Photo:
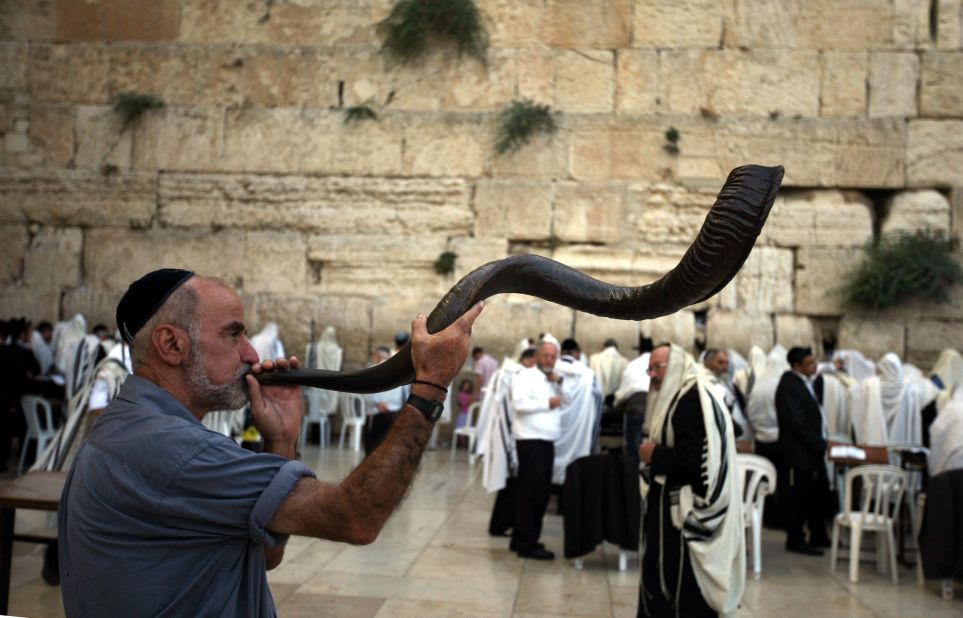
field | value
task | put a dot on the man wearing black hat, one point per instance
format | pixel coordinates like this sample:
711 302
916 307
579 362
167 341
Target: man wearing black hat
161 516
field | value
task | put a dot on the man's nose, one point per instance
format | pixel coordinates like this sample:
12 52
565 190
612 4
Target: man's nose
248 353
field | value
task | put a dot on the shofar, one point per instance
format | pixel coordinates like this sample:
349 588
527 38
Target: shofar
722 246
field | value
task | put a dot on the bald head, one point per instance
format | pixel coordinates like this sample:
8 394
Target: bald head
546 355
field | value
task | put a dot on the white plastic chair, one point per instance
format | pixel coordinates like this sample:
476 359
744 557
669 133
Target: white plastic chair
881 496
352 417
758 481
41 432
468 430
314 398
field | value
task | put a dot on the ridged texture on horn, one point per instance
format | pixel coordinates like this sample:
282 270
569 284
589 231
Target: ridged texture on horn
719 251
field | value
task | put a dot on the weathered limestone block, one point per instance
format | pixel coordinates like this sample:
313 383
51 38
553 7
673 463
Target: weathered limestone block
98 305
116 20
591 331
819 218
872 337
764 282
373 280
940 77
68 73
589 212
165 72
892 84
26 20
949 26
250 261
52 134
678 328
419 251
74 198
36 304
102 139
514 23
619 266
745 83
13 239
351 318
934 153
819 271
536 74
445 146
796 330
857 24
519 210
292 314
585 80
602 153
758 24
842 89
472 85
545 155
332 204
473 252
578 24
53 258
508 318
677 24
179 139
666 213
911 211
739 330
13 59
927 338
637 81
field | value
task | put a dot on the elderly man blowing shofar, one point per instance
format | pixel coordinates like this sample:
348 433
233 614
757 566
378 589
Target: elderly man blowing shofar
162 517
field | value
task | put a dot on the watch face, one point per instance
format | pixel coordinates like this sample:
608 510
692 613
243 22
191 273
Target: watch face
436 411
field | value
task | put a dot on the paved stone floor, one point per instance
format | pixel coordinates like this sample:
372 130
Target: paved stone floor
435 558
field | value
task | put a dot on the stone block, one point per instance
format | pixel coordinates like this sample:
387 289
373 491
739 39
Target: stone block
940 77
514 23
602 153
536 74
585 80
53 258
618 266
545 155
764 282
857 24
819 272
589 212
162 70
744 83
332 204
33 303
26 20
102 138
666 213
371 280
686 23
758 24
927 338
872 337
796 330
637 81
418 251
518 210
892 84
351 318
179 139
445 146
116 20
99 306
290 77
842 88
678 328
934 153
911 211
13 59
68 73
76 198
577 24
819 218
739 330
591 331
949 24
508 318
472 85
13 239
52 132
474 252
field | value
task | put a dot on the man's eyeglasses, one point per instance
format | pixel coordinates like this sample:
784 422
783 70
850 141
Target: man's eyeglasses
656 368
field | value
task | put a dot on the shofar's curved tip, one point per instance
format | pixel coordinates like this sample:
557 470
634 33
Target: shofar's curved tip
718 252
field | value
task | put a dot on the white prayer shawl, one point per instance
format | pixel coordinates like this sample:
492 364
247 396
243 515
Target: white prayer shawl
635 378
608 366
579 414
855 364
901 403
924 386
64 343
267 344
836 408
949 370
737 362
866 412
946 436
712 526
762 399
42 352
495 443
324 354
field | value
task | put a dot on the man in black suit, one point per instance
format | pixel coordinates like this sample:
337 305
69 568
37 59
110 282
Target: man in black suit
802 447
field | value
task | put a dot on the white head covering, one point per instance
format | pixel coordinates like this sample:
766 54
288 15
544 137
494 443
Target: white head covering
900 401
949 370
64 343
762 399
548 338
737 362
856 365
523 345
757 359
41 351
946 436
927 390
329 352
266 343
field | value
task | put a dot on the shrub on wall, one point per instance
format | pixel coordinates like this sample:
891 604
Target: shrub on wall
406 31
521 120
901 268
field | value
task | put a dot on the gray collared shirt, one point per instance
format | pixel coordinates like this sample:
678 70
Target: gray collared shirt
162 517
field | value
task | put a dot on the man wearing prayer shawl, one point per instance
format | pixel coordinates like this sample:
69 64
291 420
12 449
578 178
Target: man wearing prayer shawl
947 374
887 409
946 449
608 366
693 549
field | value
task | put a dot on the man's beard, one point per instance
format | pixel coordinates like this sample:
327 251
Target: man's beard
210 397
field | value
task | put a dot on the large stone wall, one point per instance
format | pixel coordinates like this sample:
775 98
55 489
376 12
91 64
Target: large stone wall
250 172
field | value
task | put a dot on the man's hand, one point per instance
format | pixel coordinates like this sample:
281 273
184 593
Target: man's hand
554 402
276 410
438 358
554 377
645 451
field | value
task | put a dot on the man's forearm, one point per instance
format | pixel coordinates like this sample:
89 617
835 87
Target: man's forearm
285 448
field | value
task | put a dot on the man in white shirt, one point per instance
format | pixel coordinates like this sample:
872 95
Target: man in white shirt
535 399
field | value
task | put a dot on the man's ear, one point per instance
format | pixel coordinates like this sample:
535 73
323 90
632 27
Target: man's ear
171 344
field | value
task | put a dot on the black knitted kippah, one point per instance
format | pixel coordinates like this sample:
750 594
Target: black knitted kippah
145 296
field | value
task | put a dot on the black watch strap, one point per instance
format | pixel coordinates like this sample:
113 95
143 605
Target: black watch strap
432 409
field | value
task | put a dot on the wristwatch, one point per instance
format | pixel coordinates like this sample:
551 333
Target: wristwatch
430 408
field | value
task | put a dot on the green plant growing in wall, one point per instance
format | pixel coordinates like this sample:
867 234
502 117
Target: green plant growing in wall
901 268
671 145
521 120
132 105
445 263
411 24
359 113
